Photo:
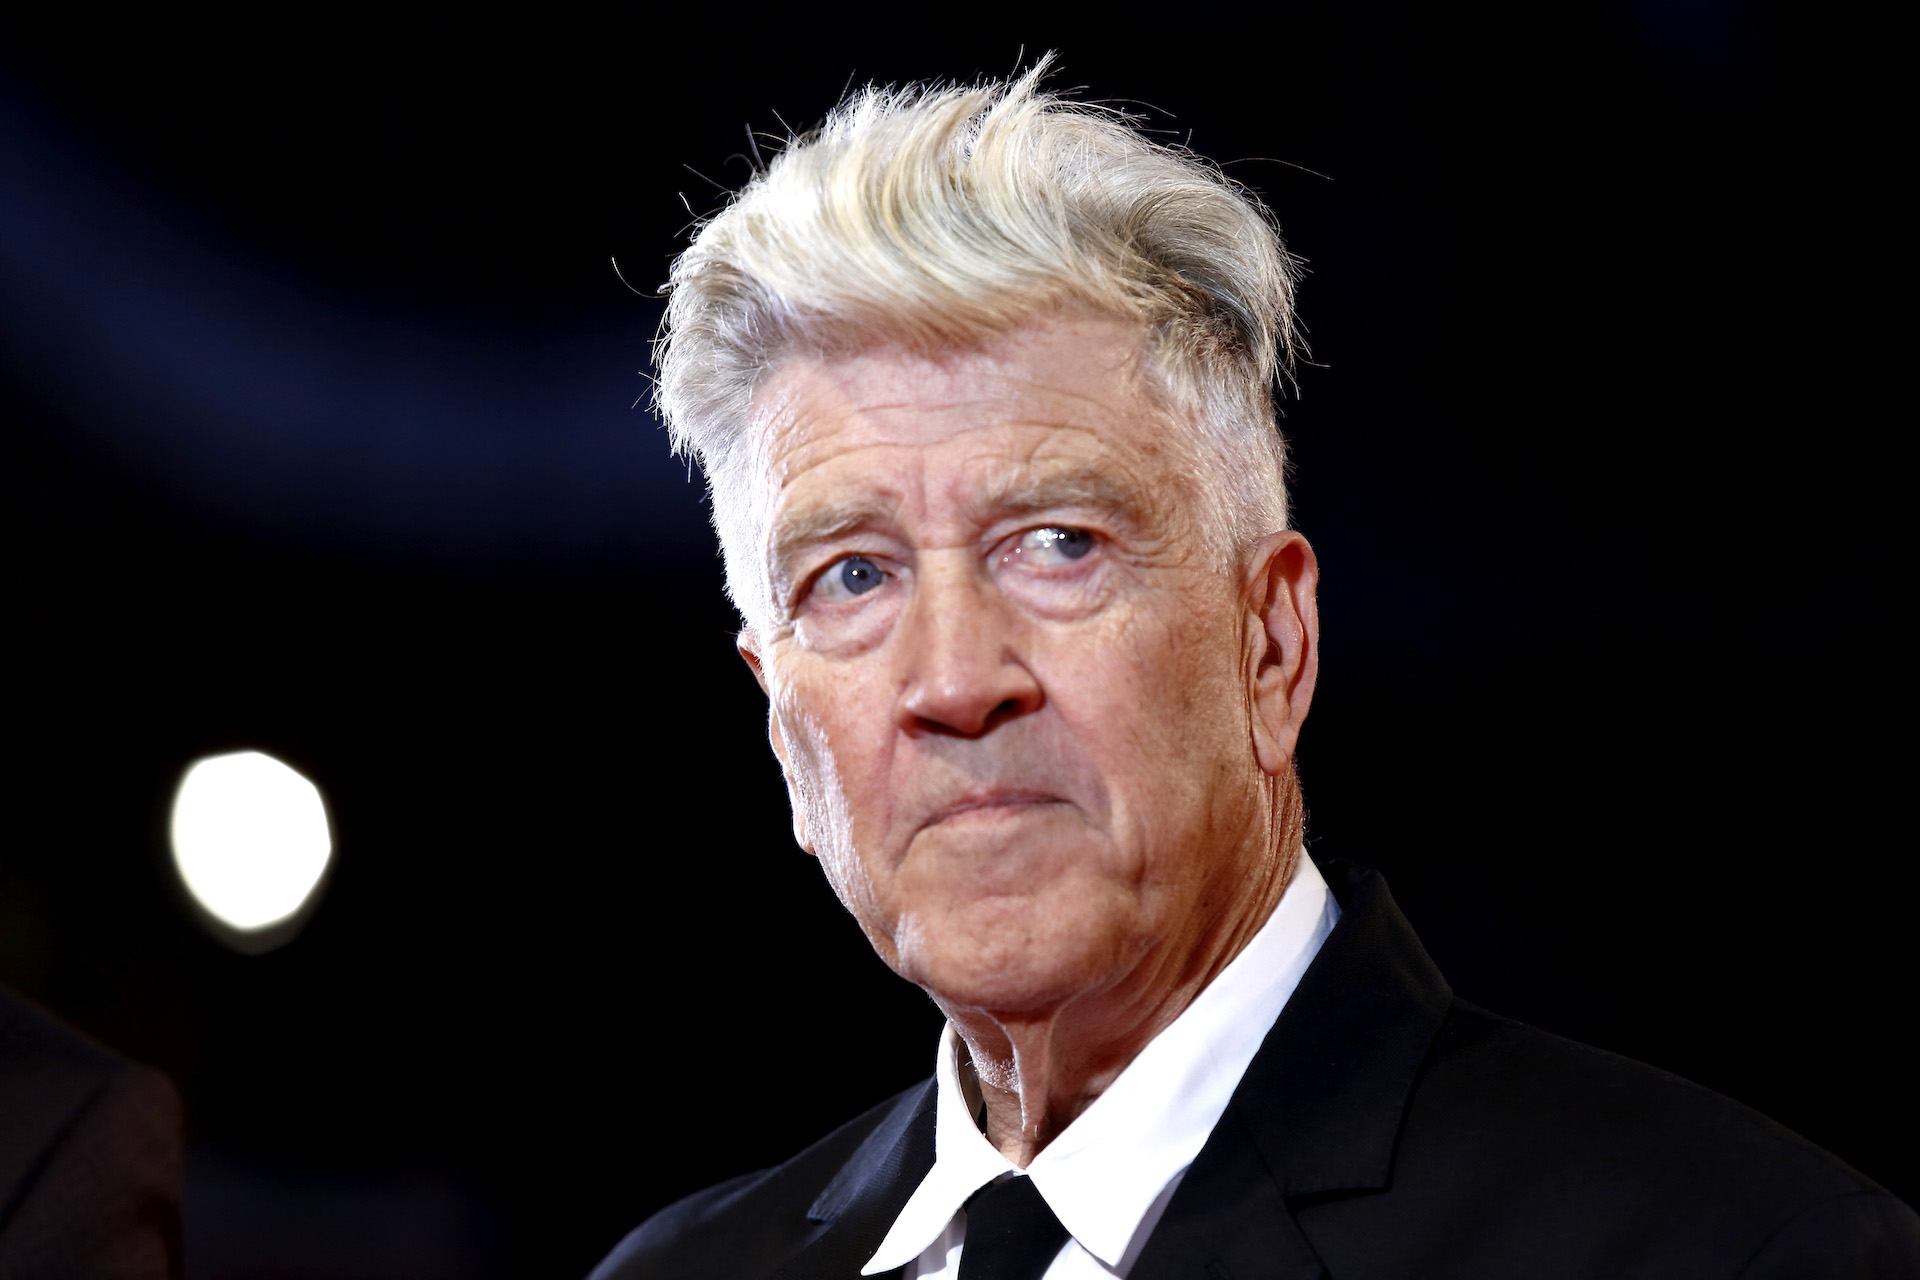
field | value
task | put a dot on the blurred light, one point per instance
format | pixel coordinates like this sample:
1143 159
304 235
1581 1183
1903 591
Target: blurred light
251 841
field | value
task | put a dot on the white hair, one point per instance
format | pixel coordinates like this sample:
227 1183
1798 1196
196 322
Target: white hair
935 218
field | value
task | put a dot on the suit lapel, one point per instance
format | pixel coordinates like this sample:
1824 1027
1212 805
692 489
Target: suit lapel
1228 1220
858 1207
1319 1109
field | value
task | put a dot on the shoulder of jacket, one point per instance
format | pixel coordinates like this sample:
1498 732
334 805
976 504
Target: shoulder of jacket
746 1225
56 1085
1503 1076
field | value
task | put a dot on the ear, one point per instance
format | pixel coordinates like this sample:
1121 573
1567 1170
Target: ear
1283 645
748 646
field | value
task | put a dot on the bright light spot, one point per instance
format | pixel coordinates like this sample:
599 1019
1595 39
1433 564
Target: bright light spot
250 838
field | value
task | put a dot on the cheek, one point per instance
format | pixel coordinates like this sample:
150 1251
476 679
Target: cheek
825 780
1200 660
813 775
1154 700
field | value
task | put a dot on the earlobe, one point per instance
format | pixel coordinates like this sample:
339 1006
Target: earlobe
1283 645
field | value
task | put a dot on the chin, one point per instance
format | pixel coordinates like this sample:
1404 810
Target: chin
1014 956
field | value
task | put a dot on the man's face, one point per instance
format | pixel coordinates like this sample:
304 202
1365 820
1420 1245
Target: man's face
1008 673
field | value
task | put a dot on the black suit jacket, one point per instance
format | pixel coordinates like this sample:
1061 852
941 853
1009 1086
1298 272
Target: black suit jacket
90 1157
1385 1129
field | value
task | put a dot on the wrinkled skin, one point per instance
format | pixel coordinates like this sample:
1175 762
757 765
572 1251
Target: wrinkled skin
1032 719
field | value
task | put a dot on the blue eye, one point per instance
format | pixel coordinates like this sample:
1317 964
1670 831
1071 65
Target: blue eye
1056 542
859 575
854 576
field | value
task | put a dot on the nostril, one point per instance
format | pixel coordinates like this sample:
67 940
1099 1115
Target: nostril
1006 711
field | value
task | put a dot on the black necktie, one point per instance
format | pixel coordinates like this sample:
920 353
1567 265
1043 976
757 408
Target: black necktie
1011 1234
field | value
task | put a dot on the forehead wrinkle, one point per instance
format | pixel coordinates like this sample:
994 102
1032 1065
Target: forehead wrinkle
1024 406
876 388
1029 480
881 383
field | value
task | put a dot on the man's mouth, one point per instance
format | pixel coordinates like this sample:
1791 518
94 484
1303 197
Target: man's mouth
991 802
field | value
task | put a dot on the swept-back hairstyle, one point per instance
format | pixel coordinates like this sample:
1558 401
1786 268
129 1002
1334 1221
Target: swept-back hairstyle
933 217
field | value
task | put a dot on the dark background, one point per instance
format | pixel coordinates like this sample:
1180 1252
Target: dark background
316 388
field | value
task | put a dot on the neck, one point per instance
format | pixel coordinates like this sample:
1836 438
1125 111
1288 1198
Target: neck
1036 1073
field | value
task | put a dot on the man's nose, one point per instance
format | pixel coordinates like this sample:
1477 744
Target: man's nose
961 671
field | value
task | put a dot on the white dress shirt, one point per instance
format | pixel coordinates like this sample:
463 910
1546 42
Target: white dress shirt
1109 1175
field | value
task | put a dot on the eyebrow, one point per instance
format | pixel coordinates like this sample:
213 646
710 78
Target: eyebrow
1026 490
1042 488
817 522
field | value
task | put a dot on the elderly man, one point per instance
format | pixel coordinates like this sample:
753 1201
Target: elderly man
982 384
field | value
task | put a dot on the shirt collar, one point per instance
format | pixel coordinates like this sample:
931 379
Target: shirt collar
1105 1170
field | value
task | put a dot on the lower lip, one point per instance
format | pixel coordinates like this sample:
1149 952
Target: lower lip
1000 810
